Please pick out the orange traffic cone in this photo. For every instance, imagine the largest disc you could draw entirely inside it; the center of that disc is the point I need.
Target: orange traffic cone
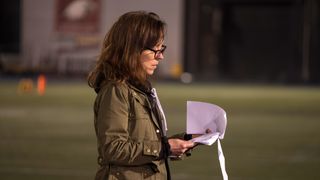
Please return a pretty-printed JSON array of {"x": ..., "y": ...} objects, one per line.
[{"x": 41, "y": 84}]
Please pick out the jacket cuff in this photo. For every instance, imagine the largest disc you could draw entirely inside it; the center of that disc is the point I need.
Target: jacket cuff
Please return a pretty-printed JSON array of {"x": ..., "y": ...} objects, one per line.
[
  {"x": 183, "y": 136},
  {"x": 187, "y": 137},
  {"x": 152, "y": 148},
  {"x": 166, "y": 149}
]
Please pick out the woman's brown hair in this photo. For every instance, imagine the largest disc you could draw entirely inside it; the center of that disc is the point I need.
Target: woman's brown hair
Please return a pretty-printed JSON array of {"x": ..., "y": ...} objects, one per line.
[{"x": 119, "y": 59}]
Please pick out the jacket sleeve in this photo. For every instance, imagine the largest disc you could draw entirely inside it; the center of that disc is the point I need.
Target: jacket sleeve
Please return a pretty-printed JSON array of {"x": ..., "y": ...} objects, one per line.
[
  {"x": 183, "y": 136},
  {"x": 112, "y": 125}
]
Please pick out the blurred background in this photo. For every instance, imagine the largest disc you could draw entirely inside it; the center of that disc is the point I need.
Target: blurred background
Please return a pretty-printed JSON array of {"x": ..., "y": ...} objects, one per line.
[{"x": 257, "y": 59}]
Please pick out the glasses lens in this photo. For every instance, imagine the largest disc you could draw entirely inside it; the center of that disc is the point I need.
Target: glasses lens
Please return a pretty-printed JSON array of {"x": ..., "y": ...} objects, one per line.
[
  {"x": 161, "y": 51},
  {"x": 163, "y": 48}
]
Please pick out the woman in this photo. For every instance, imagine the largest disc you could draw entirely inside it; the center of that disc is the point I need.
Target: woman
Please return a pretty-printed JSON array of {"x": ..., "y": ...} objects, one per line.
[{"x": 129, "y": 122}]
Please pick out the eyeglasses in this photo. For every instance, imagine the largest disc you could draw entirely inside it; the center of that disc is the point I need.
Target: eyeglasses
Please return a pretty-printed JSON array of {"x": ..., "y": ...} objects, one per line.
[{"x": 158, "y": 52}]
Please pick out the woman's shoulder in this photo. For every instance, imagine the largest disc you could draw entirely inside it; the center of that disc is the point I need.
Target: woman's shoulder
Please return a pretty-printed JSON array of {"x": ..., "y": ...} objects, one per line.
[
  {"x": 114, "y": 84},
  {"x": 113, "y": 87},
  {"x": 112, "y": 93}
]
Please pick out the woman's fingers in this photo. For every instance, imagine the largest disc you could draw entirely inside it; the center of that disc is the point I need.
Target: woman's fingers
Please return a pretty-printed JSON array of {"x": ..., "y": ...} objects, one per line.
[
  {"x": 208, "y": 131},
  {"x": 178, "y": 146}
]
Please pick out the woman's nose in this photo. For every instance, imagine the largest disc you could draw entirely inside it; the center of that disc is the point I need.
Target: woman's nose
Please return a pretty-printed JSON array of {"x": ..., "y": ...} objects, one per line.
[{"x": 160, "y": 57}]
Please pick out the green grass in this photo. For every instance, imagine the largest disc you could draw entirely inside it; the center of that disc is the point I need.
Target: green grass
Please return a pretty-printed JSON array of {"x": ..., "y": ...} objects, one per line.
[{"x": 272, "y": 132}]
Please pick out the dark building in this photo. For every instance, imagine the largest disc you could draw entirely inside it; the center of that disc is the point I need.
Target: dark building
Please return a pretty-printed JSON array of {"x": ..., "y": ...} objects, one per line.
[
  {"x": 253, "y": 40},
  {"x": 10, "y": 21}
]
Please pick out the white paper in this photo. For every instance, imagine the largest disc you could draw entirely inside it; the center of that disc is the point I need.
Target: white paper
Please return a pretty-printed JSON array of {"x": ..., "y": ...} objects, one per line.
[
  {"x": 202, "y": 116},
  {"x": 206, "y": 139}
]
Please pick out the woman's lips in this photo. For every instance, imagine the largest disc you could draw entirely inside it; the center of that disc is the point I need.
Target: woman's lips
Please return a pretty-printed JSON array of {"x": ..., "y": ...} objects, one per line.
[{"x": 154, "y": 66}]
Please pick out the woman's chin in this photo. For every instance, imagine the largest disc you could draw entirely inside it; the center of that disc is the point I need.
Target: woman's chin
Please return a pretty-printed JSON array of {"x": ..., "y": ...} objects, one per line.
[{"x": 150, "y": 72}]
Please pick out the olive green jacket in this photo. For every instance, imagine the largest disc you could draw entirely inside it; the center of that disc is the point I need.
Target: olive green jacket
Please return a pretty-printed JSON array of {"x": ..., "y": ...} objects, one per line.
[{"x": 128, "y": 135}]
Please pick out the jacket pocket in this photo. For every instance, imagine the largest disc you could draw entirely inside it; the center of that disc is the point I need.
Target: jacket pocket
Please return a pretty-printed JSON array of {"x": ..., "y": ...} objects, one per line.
[
  {"x": 141, "y": 125},
  {"x": 139, "y": 122}
]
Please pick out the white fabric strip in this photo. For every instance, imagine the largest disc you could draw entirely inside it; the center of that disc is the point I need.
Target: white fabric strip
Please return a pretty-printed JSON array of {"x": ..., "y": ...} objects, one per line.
[
  {"x": 164, "y": 122},
  {"x": 222, "y": 161}
]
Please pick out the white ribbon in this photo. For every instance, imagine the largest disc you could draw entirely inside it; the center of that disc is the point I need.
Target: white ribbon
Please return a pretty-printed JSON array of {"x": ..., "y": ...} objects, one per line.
[
  {"x": 164, "y": 122},
  {"x": 222, "y": 161}
]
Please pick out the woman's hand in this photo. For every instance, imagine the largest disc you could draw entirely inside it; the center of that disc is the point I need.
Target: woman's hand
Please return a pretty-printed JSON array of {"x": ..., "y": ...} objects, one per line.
[{"x": 178, "y": 146}]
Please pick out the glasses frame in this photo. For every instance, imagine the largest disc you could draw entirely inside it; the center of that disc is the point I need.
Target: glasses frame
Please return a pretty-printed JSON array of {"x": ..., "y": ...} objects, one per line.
[{"x": 157, "y": 52}]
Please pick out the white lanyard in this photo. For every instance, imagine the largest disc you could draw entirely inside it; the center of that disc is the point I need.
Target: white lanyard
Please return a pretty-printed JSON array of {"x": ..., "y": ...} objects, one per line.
[
  {"x": 164, "y": 122},
  {"x": 222, "y": 161}
]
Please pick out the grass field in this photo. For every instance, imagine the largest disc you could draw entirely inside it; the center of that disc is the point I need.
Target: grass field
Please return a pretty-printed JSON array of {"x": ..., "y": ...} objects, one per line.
[{"x": 273, "y": 132}]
